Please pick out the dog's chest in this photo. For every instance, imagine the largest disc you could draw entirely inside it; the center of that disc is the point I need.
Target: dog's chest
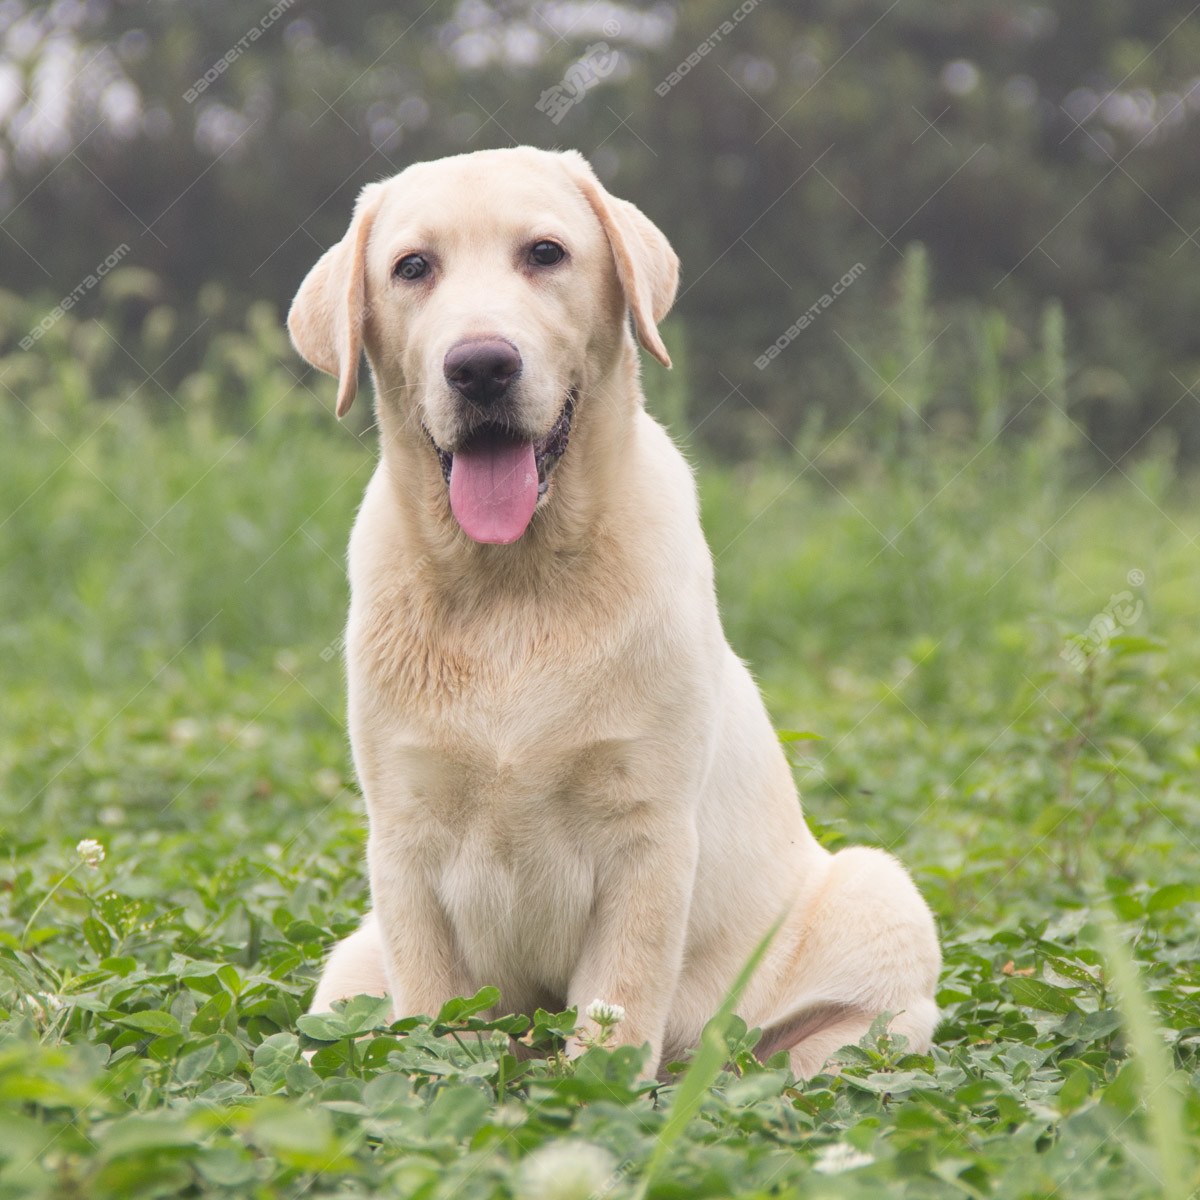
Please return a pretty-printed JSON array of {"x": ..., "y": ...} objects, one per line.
[
  {"x": 509, "y": 757},
  {"x": 518, "y": 902},
  {"x": 517, "y": 856}
]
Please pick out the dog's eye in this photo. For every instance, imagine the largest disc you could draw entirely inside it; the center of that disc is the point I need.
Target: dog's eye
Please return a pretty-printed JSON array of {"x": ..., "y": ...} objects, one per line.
[
  {"x": 411, "y": 266},
  {"x": 546, "y": 254}
]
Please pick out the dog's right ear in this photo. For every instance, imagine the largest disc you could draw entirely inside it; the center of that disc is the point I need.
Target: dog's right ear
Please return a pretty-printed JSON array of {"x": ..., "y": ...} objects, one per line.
[{"x": 327, "y": 315}]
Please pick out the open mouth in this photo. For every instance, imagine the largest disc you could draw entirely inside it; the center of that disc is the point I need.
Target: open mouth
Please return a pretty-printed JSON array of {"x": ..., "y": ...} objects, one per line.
[{"x": 496, "y": 478}]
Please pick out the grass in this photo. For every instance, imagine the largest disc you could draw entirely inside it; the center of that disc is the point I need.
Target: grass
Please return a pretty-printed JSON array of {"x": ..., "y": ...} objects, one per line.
[{"x": 170, "y": 612}]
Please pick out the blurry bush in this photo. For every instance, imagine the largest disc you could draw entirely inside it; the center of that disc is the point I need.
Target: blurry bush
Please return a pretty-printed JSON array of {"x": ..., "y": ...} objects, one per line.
[{"x": 1039, "y": 151}]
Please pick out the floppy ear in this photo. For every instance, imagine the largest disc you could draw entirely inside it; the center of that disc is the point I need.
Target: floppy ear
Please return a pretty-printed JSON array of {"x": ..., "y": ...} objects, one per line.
[
  {"x": 327, "y": 315},
  {"x": 646, "y": 265}
]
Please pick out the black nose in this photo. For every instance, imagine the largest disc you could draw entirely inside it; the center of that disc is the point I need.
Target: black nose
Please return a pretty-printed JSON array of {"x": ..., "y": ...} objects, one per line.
[{"x": 482, "y": 369}]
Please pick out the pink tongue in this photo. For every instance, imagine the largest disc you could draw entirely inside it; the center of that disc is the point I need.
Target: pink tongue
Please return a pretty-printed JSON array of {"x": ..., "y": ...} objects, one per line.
[{"x": 494, "y": 490}]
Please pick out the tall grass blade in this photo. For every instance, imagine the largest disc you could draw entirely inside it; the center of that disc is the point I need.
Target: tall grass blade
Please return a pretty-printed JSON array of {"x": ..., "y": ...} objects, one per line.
[
  {"x": 705, "y": 1066},
  {"x": 1164, "y": 1108}
]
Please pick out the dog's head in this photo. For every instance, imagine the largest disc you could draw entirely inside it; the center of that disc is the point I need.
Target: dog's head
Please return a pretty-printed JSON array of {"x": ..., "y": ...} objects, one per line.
[{"x": 490, "y": 292}]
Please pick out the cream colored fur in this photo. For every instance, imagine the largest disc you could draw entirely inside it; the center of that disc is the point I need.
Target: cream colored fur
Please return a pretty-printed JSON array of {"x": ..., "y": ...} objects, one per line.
[{"x": 573, "y": 788}]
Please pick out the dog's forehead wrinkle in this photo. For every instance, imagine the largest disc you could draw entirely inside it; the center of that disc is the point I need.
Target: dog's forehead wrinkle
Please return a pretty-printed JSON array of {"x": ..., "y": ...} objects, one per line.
[{"x": 443, "y": 200}]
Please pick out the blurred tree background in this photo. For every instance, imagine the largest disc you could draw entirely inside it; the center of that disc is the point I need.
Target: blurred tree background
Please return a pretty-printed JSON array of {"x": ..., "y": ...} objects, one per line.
[{"x": 1037, "y": 151}]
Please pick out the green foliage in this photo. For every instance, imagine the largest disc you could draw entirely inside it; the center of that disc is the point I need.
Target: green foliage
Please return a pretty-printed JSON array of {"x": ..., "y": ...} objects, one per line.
[{"x": 993, "y": 660}]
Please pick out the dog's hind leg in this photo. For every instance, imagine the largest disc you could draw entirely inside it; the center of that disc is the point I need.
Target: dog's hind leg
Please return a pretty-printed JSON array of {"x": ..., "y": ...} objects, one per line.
[{"x": 866, "y": 945}]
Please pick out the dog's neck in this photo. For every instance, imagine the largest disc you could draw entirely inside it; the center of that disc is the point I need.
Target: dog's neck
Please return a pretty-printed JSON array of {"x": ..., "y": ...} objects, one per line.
[{"x": 597, "y": 473}]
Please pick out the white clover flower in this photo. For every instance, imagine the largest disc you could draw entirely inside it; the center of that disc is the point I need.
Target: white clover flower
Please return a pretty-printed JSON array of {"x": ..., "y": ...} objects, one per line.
[
  {"x": 90, "y": 852},
  {"x": 184, "y": 731},
  {"x": 328, "y": 782},
  {"x": 605, "y": 1014},
  {"x": 566, "y": 1170},
  {"x": 41, "y": 1007},
  {"x": 839, "y": 1157},
  {"x": 45, "y": 1002}
]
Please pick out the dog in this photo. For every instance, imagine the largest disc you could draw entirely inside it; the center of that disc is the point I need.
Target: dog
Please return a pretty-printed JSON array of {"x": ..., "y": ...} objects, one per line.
[{"x": 572, "y": 785}]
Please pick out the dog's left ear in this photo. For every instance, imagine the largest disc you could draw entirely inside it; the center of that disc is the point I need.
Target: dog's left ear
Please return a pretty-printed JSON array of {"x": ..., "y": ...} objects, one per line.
[
  {"x": 646, "y": 265},
  {"x": 327, "y": 315}
]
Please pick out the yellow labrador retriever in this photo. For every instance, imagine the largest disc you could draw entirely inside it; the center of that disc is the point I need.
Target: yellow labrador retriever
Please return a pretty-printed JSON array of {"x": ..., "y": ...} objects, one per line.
[{"x": 573, "y": 788}]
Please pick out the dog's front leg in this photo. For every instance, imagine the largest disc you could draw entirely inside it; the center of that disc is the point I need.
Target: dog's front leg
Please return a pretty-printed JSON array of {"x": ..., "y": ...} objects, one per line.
[
  {"x": 633, "y": 953},
  {"x": 421, "y": 958}
]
